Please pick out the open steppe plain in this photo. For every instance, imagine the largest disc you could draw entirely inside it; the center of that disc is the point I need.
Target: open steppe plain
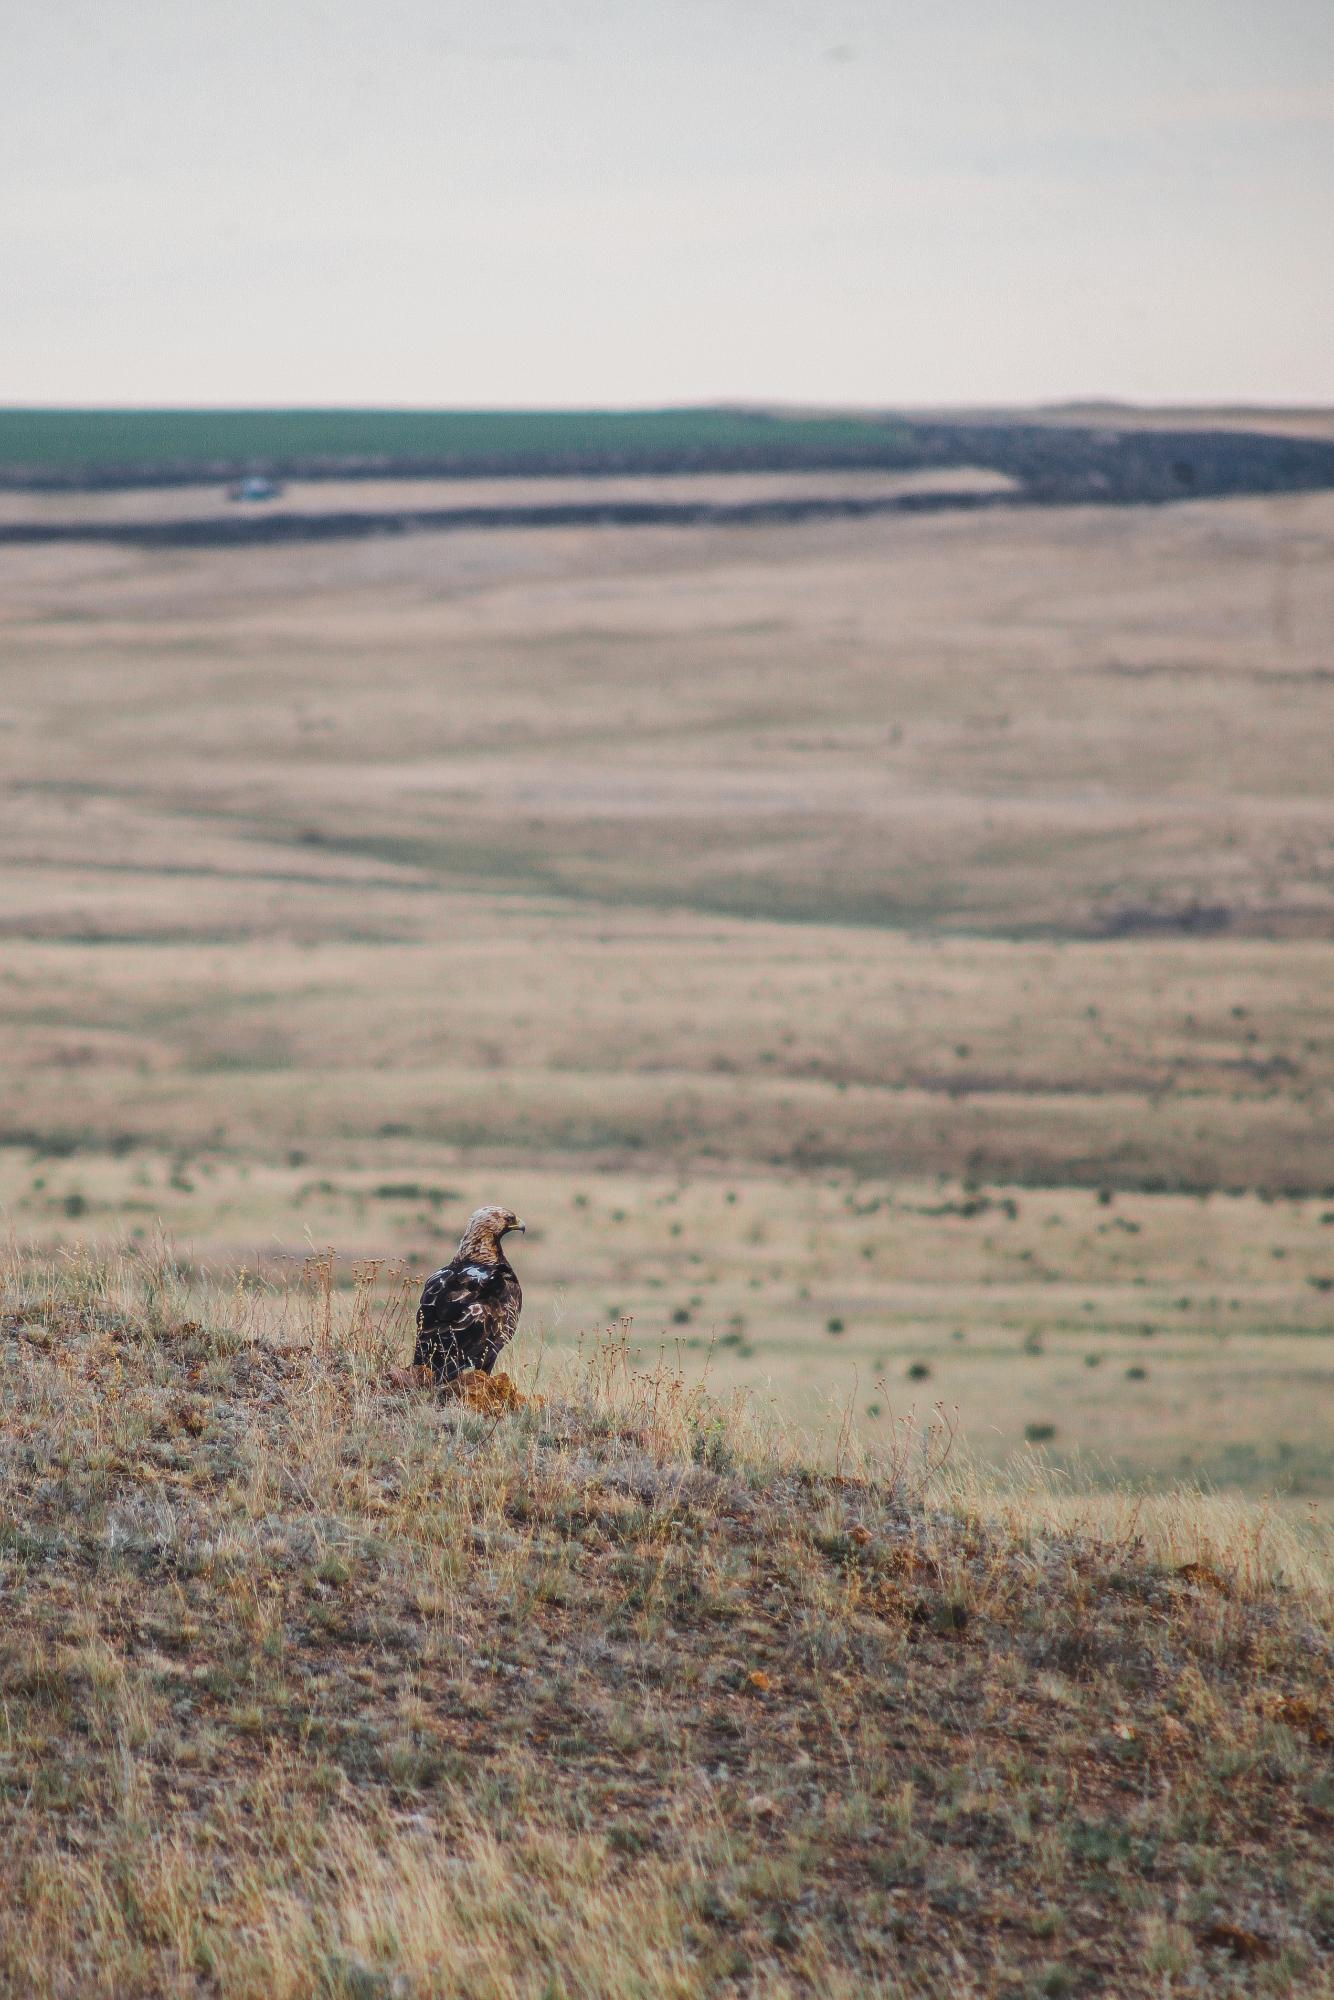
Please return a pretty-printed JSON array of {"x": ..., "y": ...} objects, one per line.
[
  {"x": 890, "y": 964},
  {"x": 889, "y": 960}
]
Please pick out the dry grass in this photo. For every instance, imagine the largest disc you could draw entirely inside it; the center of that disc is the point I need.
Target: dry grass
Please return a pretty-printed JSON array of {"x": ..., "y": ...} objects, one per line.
[
  {"x": 309, "y": 1687},
  {"x": 1044, "y": 724},
  {"x": 889, "y": 963},
  {"x": 1135, "y": 1336},
  {"x": 622, "y": 874},
  {"x": 524, "y": 1030}
]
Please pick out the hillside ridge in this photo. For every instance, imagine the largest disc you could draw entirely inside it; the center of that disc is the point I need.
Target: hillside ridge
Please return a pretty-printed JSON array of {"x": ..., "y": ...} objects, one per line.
[{"x": 315, "y": 1687}]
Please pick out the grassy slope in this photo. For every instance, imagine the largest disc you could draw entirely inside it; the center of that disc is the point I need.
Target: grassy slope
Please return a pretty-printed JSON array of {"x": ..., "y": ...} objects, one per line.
[
  {"x": 311, "y": 1688},
  {"x": 1148, "y": 1337}
]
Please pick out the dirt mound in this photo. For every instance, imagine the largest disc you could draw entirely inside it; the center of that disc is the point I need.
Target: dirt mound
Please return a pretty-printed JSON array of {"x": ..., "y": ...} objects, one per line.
[
  {"x": 493, "y": 1395},
  {"x": 632, "y": 1693}
]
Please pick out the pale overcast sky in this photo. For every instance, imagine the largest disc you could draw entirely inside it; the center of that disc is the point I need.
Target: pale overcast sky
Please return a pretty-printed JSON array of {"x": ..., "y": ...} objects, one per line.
[{"x": 501, "y": 202}]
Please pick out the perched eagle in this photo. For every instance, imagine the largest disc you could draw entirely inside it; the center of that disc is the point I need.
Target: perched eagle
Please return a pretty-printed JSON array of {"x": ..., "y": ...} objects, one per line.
[{"x": 470, "y": 1308}]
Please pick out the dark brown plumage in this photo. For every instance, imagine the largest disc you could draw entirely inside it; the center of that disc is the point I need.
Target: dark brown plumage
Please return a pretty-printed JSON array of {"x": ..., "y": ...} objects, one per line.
[{"x": 470, "y": 1307}]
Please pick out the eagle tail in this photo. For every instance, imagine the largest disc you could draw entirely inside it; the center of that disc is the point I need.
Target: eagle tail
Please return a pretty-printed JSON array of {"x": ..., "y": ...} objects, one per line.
[{"x": 453, "y": 1362}]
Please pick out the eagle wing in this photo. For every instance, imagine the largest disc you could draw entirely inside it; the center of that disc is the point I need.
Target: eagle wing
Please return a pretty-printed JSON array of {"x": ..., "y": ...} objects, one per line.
[{"x": 467, "y": 1314}]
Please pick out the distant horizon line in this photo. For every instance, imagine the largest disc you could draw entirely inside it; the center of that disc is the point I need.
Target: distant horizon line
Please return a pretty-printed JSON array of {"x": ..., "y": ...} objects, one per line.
[{"x": 794, "y": 407}]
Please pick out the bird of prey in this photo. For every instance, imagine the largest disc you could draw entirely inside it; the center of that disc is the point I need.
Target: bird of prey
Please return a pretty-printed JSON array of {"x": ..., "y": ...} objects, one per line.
[{"x": 469, "y": 1308}]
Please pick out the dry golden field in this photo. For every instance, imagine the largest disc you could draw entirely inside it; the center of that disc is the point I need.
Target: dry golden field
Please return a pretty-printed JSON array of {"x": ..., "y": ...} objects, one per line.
[
  {"x": 889, "y": 965},
  {"x": 890, "y": 961}
]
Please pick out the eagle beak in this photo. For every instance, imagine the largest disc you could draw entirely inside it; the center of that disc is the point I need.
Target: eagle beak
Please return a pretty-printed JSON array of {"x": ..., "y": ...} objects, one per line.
[{"x": 522, "y": 1228}]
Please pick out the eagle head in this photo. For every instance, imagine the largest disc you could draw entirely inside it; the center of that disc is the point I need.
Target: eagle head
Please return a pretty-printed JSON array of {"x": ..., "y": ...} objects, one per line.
[{"x": 486, "y": 1227}]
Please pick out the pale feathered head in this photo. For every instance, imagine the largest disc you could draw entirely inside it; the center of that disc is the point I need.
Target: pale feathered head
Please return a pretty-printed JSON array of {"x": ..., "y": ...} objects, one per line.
[{"x": 482, "y": 1238}]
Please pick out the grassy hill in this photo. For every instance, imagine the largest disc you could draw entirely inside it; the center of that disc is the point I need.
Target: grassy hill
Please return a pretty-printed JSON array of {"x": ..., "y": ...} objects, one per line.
[{"x": 312, "y": 1688}]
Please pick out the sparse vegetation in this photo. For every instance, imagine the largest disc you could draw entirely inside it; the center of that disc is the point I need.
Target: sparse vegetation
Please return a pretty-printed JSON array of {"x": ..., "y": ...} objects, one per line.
[
  {"x": 309, "y": 1687},
  {"x": 241, "y": 995},
  {"x": 890, "y": 963}
]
